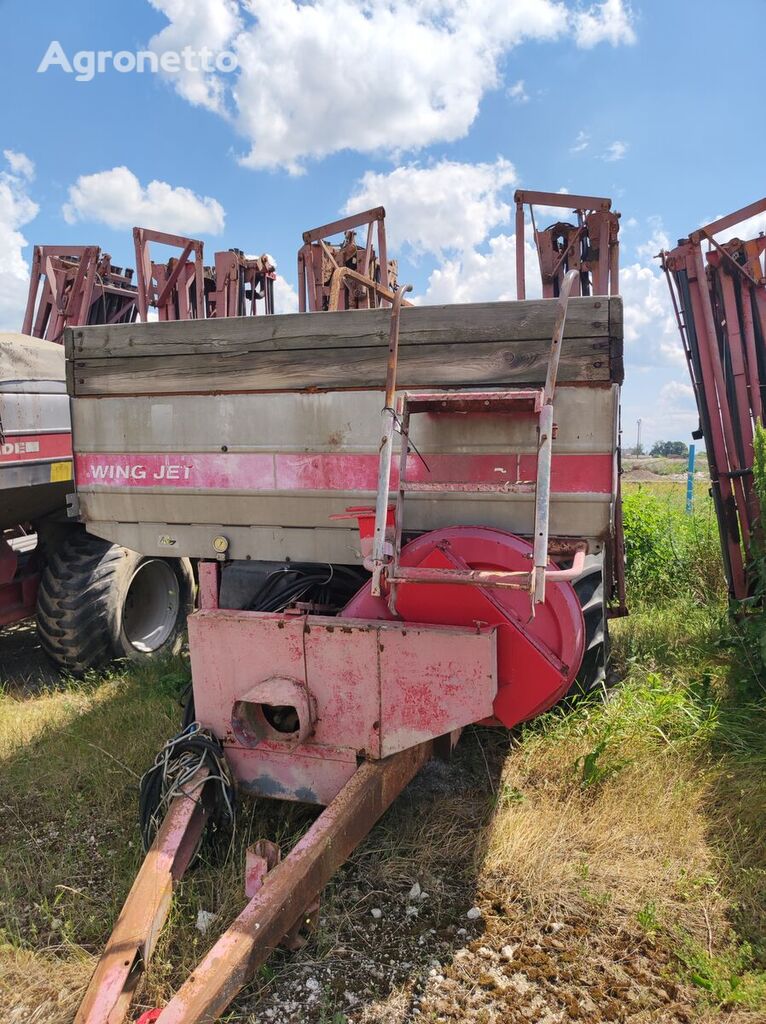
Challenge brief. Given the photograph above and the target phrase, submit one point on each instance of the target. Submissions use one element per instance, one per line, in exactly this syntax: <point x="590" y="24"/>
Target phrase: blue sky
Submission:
<point x="436" y="108"/>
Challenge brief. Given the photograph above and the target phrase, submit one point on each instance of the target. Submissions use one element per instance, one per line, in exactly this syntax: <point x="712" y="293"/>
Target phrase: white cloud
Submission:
<point x="285" y="296"/>
<point x="310" y="73"/>
<point x="444" y="206"/>
<point x="607" y="22"/>
<point x="117" y="198"/>
<point x="16" y="210"/>
<point x="615" y="151"/>
<point x="651" y="332"/>
<point x="487" y="276"/>
<point x="518" y="92"/>
<point x="211" y="23"/>
<point x="20" y="164"/>
<point x="678" y="394"/>
<point x="580" y="143"/>
<point x="658" y="240"/>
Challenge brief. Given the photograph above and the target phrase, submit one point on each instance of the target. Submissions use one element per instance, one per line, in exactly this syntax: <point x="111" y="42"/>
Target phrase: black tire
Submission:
<point x="99" y="601"/>
<point x="593" y="674"/>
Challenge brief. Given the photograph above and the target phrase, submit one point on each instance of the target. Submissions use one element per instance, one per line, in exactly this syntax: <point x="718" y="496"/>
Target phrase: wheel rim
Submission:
<point x="150" y="612"/>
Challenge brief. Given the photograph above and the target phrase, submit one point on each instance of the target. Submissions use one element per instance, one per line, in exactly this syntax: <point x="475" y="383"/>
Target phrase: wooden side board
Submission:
<point x="482" y="343"/>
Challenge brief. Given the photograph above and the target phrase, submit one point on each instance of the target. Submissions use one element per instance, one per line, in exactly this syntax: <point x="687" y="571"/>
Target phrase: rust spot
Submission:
<point x="281" y="624"/>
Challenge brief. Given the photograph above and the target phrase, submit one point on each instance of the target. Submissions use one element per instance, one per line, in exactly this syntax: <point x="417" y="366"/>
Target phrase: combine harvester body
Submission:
<point x="391" y="507"/>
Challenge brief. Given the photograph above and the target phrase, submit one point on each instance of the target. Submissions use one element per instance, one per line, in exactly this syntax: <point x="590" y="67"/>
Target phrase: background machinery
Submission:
<point x="391" y="507"/>
<point x="718" y="289"/>
<point x="94" y="600"/>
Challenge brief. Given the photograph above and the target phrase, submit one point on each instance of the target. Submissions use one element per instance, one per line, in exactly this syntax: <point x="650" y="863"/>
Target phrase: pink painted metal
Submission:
<point x="537" y="658"/>
<point x="240" y="282"/>
<point x="256" y="472"/>
<point x="355" y="688"/>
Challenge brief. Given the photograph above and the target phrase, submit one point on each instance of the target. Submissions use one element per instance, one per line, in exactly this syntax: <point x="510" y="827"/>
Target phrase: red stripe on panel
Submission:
<point x="35" y="448"/>
<point x="331" y="471"/>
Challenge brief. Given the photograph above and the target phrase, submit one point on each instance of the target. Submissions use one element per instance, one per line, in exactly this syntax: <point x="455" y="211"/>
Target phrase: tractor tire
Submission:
<point x="99" y="601"/>
<point x="593" y="674"/>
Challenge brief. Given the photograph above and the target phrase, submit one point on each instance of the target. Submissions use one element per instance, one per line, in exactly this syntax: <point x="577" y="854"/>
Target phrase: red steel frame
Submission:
<point x="176" y="288"/>
<point x="65" y="283"/>
<point x="184" y="289"/>
<point x="719" y="300"/>
<point x="590" y="246"/>
<point x="359" y="277"/>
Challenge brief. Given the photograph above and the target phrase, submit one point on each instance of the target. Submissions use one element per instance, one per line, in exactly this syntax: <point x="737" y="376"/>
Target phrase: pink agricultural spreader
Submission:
<point x="405" y="521"/>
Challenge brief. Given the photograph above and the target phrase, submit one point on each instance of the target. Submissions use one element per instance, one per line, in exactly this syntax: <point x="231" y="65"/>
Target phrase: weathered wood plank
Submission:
<point x="434" y="365"/>
<point x="616" y="357"/>
<point x="471" y="323"/>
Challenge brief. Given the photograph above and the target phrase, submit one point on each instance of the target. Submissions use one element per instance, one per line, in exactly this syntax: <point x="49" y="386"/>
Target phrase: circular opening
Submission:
<point x="150" y="612"/>
<point x="281" y="717"/>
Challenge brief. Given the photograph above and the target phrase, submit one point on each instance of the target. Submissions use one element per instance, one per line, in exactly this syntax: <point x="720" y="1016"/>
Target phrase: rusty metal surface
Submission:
<point x="590" y="245"/>
<point x="109" y="994"/>
<point x="346" y="275"/>
<point x="290" y="887"/>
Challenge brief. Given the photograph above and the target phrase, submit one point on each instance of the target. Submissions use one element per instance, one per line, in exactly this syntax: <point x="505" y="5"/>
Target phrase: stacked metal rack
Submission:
<point x="719" y="298"/>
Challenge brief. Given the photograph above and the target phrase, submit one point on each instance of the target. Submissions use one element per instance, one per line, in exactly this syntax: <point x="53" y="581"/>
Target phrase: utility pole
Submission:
<point x="638" y="436"/>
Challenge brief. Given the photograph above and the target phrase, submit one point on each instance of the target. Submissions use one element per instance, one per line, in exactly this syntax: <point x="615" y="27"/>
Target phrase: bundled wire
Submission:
<point x="331" y="585"/>
<point x="171" y="774"/>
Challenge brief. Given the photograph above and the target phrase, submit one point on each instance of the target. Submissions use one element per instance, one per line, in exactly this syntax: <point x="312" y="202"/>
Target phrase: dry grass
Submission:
<point x="637" y="827"/>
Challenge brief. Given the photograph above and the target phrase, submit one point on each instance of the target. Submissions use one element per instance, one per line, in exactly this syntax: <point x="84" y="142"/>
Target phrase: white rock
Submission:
<point x="508" y="952"/>
<point x="415" y="891"/>
<point x="204" y="919"/>
<point x="473" y="914"/>
<point x="377" y="913"/>
<point x="312" y="985"/>
<point x="412" y="911"/>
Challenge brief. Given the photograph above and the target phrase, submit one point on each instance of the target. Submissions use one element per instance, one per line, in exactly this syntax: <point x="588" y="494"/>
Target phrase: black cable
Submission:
<point x="170" y="775"/>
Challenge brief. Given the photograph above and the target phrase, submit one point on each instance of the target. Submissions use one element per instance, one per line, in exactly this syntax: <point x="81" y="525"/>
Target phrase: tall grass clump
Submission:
<point x="671" y="554"/>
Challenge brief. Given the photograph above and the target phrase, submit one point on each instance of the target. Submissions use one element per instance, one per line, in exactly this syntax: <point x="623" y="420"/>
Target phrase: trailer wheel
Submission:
<point x="99" y="601"/>
<point x="594" y="670"/>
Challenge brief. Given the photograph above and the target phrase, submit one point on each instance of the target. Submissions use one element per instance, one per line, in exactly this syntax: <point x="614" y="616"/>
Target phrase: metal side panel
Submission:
<point x="34" y="412"/>
<point x="269" y="472"/>
<point x="340" y="543"/>
<point x="346" y="421"/>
